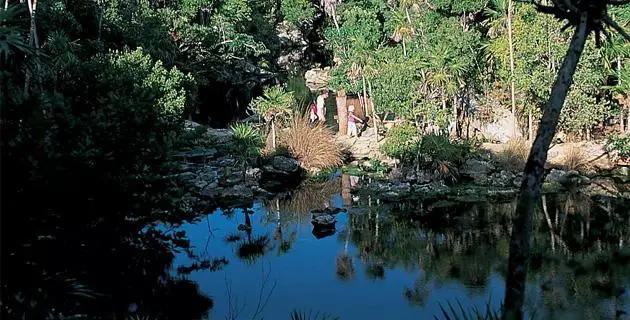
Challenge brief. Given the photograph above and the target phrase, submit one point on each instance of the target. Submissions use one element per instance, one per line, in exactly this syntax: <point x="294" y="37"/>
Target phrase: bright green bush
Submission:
<point x="619" y="145"/>
<point x="401" y="142"/>
<point x="248" y="141"/>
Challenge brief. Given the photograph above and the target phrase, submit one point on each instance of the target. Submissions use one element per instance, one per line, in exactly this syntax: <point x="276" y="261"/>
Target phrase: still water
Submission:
<point x="408" y="260"/>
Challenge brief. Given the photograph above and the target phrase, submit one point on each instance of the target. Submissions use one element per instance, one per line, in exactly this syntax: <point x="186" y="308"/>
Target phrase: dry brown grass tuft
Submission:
<point x="314" y="147"/>
<point x="574" y="158"/>
<point x="514" y="154"/>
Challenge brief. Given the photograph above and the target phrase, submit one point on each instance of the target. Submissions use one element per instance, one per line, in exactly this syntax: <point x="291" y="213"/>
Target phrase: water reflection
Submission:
<point x="102" y="273"/>
<point x="407" y="259"/>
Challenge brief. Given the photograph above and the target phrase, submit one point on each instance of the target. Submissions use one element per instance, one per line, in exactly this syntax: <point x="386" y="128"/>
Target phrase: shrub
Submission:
<point x="401" y="143"/>
<point x="514" y="155"/>
<point x="314" y="147"/>
<point x="248" y="141"/>
<point x="439" y="154"/>
<point x="439" y="148"/>
<point x="619" y="146"/>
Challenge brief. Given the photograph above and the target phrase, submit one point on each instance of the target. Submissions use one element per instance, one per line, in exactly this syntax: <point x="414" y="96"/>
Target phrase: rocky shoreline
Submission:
<point x="216" y="177"/>
<point x="482" y="181"/>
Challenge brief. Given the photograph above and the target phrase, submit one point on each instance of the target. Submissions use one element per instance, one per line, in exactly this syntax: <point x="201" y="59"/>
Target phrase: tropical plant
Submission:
<point x="274" y="106"/>
<point x="248" y="141"/>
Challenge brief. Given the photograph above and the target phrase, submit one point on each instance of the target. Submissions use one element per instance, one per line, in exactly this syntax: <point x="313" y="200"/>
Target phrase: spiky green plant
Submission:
<point x="450" y="312"/>
<point x="248" y="141"/>
<point x="301" y="315"/>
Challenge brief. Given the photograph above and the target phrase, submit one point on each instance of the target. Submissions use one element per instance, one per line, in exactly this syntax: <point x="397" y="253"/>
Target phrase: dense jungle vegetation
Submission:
<point x="94" y="95"/>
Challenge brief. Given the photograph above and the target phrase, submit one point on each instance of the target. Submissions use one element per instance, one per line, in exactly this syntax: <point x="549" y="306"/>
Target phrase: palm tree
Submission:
<point x="403" y="29"/>
<point x="587" y="17"/>
<point x="501" y="13"/>
<point x="444" y="76"/>
<point x="274" y="103"/>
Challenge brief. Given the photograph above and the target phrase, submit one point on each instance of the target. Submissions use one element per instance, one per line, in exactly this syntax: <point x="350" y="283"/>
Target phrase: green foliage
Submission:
<point x="275" y="102"/>
<point x="401" y="142"/>
<point x="248" y="141"/>
<point x="619" y="145"/>
<point x="297" y="12"/>
<point x="439" y="149"/>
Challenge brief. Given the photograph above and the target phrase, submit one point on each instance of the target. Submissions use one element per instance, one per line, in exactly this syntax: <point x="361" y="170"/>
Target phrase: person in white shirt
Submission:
<point x="321" y="108"/>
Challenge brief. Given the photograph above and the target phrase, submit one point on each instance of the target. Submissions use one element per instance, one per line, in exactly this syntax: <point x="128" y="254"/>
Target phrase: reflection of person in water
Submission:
<point x="354" y="181"/>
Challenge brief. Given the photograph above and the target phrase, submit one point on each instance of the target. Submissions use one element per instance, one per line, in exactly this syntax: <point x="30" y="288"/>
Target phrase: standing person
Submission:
<point x="321" y="108"/>
<point x="352" y="119"/>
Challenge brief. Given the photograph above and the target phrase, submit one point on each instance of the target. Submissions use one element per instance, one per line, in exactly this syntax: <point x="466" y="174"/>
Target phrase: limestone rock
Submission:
<point x="317" y="78"/>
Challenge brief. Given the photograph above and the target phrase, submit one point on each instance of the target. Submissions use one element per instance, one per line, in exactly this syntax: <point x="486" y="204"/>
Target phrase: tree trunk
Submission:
<point x="373" y="112"/>
<point x="512" y="85"/>
<point x="533" y="176"/>
<point x="342" y="112"/>
<point x="333" y="13"/>
<point x="365" y="107"/>
<point x="454" y="132"/>
<point x="530" y="124"/>
<point x="273" y="135"/>
<point x="6" y="5"/>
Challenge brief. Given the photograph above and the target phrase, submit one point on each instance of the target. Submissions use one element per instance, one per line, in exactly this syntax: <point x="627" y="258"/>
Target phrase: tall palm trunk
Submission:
<point x="533" y="175"/>
<point x="511" y="45"/>
<point x="32" y="39"/>
<point x="373" y="112"/>
<point x="454" y="133"/>
<point x="273" y="134"/>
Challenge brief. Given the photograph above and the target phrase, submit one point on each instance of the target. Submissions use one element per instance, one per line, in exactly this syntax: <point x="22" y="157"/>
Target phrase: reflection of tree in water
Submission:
<point x="344" y="264"/>
<point x="253" y="246"/>
<point x="468" y="242"/>
<point x="102" y="272"/>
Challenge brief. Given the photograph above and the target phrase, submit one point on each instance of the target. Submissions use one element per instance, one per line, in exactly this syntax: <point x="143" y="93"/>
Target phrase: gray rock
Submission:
<point x="517" y="181"/>
<point x="556" y="175"/>
<point x="196" y="155"/>
<point x="285" y="164"/>
<point x="210" y="191"/>
<point x="317" y="78"/>
<point x="477" y="170"/>
<point x="258" y="191"/>
<point x="226" y="161"/>
<point x="253" y="174"/>
<point x="237" y="192"/>
<point x="191" y="125"/>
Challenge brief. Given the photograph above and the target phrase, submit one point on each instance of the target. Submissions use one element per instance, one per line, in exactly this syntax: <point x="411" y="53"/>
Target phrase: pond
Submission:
<point x="407" y="261"/>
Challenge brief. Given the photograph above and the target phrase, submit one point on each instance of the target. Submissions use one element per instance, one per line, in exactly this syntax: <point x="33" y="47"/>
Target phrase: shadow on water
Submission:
<point x="410" y="258"/>
<point x="101" y="273"/>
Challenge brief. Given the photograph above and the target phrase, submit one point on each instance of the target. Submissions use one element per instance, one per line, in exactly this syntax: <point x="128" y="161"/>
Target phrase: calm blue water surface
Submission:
<point x="305" y="277"/>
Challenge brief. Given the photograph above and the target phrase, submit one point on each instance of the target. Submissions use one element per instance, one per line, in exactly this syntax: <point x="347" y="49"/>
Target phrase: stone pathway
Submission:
<point x="364" y="146"/>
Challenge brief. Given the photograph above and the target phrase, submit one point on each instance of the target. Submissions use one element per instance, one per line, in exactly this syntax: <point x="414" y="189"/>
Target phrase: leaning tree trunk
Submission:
<point x="533" y="176"/>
